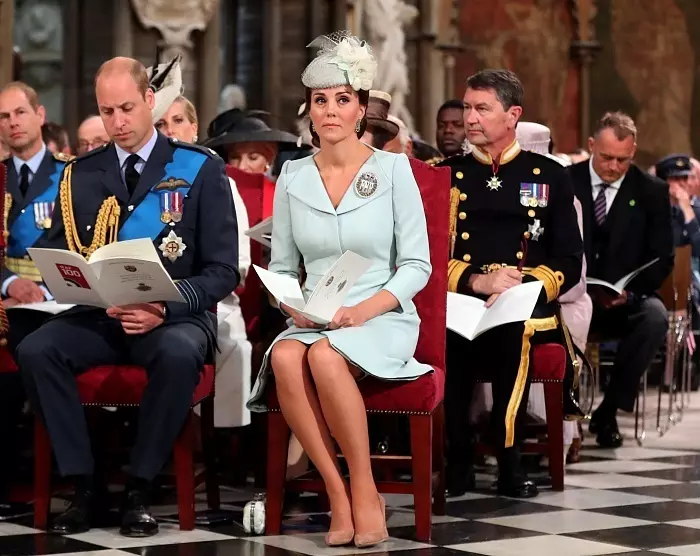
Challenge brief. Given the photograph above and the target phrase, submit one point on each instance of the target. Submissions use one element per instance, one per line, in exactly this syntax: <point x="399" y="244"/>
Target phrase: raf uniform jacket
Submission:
<point x="28" y="217"/>
<point x="637" y="229"/>
<point x="518" y="214"/>
<point x="206" y="270"/>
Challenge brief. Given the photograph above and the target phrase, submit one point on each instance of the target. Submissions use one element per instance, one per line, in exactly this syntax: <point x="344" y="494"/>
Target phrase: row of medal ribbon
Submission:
<point x="170" y="209"/>
<point x="534" y="194"/>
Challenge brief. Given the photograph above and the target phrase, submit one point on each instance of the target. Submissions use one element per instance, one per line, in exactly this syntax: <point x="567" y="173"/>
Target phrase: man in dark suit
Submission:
<point x="626" y="224"/>
<point x="31" y="187"/>
<point x="143" y="185"/>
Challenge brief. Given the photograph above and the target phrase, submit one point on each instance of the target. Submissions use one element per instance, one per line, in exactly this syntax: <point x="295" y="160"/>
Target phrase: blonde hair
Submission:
<point x="621" y="124"/>
<point x="190" y="110"/>
<point x="29" y="92"/>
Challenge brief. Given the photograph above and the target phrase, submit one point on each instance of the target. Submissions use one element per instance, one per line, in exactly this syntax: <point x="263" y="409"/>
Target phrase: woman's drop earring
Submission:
<point x="358" y="126"/>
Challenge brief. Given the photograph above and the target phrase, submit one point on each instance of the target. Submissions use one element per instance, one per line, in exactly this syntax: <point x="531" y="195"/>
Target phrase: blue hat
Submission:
<point x="674" y="166"/>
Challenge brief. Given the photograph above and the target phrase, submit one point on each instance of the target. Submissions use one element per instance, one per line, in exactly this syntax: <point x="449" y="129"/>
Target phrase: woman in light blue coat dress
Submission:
<point x="346" y="197"/>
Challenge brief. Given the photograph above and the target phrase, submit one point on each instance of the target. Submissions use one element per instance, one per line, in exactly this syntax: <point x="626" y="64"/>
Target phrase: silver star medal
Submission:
<point x="172" y="246"/>
<point x="366" y="185"/>
<point x="493" y="183"/>
<point x="535" y="230"/>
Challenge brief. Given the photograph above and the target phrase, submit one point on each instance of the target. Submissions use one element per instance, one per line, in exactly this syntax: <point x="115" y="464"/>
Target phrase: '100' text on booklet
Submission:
<point x="619" y="286"/>
<point x="121" y="273"/>
<point x="469" y="317"/>
<point x="329" y="294"/>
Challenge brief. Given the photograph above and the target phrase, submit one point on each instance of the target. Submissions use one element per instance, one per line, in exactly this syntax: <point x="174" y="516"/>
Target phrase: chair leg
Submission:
<point x="439" y="459"/>
<point x="209" y="448"/>
<point x="184" y="474"/>
<point x="277" y="447"/>
<point x="42" y="475"/>
<point x="422" y="464"/>
<point x="553" y="399"/>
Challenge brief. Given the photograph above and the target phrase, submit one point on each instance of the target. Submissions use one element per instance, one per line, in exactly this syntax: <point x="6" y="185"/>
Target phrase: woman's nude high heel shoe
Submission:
<point x="365" y="540"/>
<point x="339" y="538"/>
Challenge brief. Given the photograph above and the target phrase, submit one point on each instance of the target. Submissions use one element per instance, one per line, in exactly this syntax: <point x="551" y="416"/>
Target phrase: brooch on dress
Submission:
<point x="366" y="185"/>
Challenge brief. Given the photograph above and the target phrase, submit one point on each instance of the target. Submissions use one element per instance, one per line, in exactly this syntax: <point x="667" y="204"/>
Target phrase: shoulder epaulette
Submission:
<point x="450" y="160"/>
<point x="191" y="146"/>
<point x="62" y="157"/>
<point x="435" y="160"/>
<point x="88" y="154"/>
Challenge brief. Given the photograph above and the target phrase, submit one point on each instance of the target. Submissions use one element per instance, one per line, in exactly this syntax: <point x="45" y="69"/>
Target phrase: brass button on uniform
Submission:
<point x="531" y="213"/>
<point x="463" y="197"/>
<point x="467" y="258"/>
<point x="526" y="235"/>
<point x="465" y="235"/>
<point x="519" y="255"/>
<point x="462" y="215"/>
<point x="459" y="175"/>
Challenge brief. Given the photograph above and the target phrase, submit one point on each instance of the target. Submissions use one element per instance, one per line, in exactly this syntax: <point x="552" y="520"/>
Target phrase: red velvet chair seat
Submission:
<point x="422" y="395"/>
<point x="117" y="385"/>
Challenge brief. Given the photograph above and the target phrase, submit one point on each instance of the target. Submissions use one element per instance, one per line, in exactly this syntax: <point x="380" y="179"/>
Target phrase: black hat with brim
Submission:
<point x="234" y="126"/>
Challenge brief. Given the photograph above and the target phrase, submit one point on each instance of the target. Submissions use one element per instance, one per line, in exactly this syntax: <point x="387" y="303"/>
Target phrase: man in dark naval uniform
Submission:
<point x="143" y="185"/>
<point x="512" y="221"/>
<point x="32" y="185"/>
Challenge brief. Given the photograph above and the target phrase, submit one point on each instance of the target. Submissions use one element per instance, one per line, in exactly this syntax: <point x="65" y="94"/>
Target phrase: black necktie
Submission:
<point x="24" y="179"/>
<point x="131" y="175"/>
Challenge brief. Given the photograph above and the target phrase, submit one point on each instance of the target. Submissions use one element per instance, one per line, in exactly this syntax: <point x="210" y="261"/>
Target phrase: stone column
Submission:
<point x="6" y="34"/>
<point x="123" y="34"/>
<point x="209" y="83"/>
<point x="583" y="48"/>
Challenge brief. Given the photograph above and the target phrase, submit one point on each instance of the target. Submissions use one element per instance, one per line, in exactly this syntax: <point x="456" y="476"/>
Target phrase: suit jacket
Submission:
<point x="640" y="229"/>
<point x="29" y="214"/>
<point x="206" y="272"/>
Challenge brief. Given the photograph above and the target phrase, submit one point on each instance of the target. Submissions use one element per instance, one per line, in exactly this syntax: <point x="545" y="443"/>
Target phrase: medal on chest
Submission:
<point x="494" y="183"/>
<point x="172" y="246"/>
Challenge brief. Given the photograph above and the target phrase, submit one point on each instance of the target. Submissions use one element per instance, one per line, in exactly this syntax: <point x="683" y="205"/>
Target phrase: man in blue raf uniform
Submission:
<point x="512" y="221"/>
<point x="32" y="185"/>
<point x="142" y="185"/>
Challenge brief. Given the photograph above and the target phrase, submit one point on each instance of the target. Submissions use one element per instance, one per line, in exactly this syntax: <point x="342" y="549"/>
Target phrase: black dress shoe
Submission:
<point x="137" y="520"/>
<point x="459" y="481"/>
<point x="77" y="518"/>
<point x="517" y="487"/>
<point x="606" y="431"/>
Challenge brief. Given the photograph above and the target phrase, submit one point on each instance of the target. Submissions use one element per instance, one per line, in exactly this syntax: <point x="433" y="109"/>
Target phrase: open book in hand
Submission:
<point x="620" y="286"/>
<point x="469" y="317"/>
<point x="121" y="273"/>
<point x="328" y="295"/>
<point x="261" y="232"/>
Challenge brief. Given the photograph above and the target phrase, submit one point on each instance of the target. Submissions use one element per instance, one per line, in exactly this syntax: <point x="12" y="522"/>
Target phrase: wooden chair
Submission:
<point x="547" y="366"/>
<point x="420" y="399"/>
<point x="123" y="386"/>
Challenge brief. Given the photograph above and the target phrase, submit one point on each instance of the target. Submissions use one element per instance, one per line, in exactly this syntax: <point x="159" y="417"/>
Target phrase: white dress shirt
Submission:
<point x="144" y="152"/>
<point x="610" y="192"/>
<point x="33" y="163"/>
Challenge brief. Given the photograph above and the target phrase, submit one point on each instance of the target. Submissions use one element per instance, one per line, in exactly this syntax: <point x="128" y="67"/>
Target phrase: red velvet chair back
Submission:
<point x="250" y="187"/>
<point x="431" y="302"/>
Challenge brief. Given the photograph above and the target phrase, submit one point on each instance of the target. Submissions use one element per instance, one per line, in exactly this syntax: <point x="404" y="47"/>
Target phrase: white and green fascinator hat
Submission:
<point x="342" y="59"/>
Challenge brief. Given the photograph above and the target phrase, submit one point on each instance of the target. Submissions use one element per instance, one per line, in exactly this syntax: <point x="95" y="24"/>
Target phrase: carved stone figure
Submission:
<point x="383" y="23"/>
<point x="175" y="20"/>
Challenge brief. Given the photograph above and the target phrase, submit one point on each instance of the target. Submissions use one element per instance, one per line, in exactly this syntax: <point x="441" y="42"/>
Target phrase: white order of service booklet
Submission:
<point x="261" y="232"/>
<point x="120" y="273"/>
<point x="619" y="286"/>
<point x="329" y="294"/>
<point x="469" y="317"/>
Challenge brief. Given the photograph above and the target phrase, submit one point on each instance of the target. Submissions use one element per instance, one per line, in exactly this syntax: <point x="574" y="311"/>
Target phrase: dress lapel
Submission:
<point x="372" y="174"/>
<point x="305" y="185"/>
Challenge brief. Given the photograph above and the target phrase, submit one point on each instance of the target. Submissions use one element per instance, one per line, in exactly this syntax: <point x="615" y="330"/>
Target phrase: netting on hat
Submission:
<point x="342" y="59"/>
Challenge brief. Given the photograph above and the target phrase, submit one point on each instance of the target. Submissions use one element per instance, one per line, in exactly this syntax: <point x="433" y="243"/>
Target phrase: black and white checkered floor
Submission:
<point x="631" y="501"/>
